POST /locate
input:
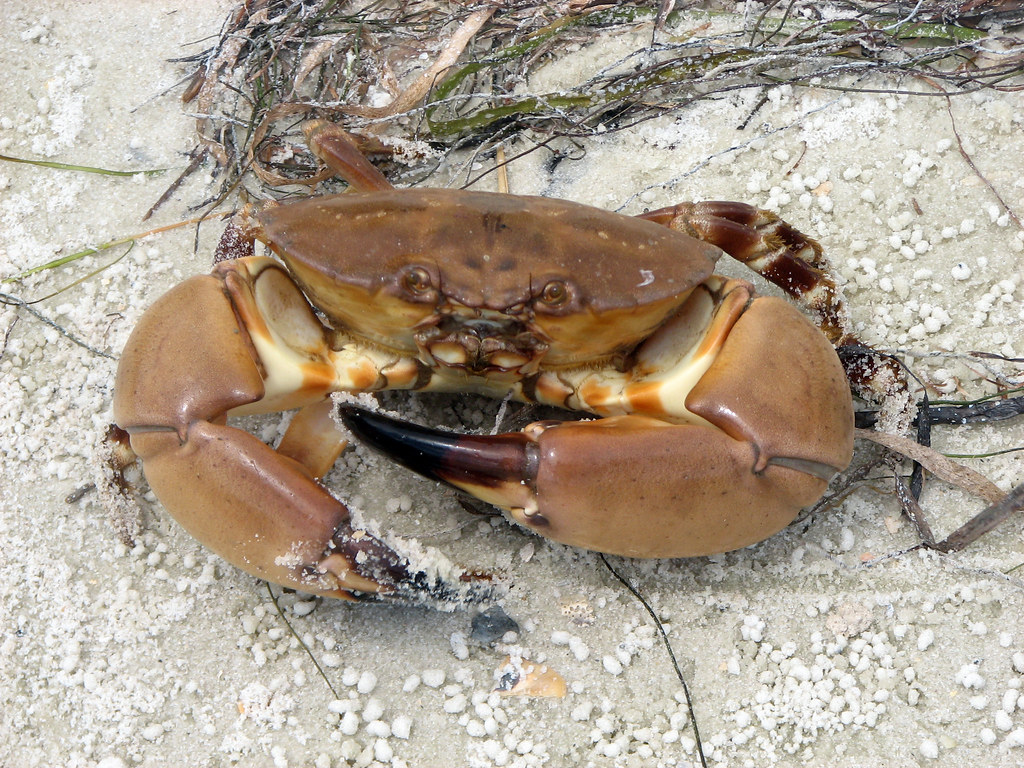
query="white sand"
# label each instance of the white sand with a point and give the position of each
(166, 655)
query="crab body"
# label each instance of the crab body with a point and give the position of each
(723, 413)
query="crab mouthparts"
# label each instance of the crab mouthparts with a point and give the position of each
(482, 344)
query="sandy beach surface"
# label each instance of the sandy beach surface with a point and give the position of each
(797, 651)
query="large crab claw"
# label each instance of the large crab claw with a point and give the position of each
(769, 435)
(260, 509)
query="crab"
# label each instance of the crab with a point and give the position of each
(720, 413)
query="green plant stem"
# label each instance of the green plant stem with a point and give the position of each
(80, 168)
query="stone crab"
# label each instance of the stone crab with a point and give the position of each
(723, 413)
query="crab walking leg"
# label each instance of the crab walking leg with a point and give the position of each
(339, 152)
(768, 430)
(793, 261)
(769, 246)
(258, 508)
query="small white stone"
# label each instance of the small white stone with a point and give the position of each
(1015, 739)
(340, 706)
(412, 682)
(373, 710)
(579, 649)
(612, 665)
(433, 678)
(459, 647)
(378, 728)
(350, 749)
(1009, 700)
(582, 711)
(612, 749)
(367, 682)
(847, 540)
(455, 704)
(925, 639)
(401, 726)
(1003, 721)
(349, 724)
(678, 720)
(969, 677)
(382, 751)
(930, 749)
(960, 272)
(987, 736)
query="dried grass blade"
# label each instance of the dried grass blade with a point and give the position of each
(940, 466)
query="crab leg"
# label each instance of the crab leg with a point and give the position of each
(769, 246)
(339, 152)
(764, 437)
(789, 259)
(260, 509)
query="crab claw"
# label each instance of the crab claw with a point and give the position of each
(495, 469)
(626, 485)
(194, 359)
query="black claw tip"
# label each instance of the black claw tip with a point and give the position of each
(460, 460)
(420, 449)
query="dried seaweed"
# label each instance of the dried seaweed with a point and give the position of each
(456, 75)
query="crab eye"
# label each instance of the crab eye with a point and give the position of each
(416, 281)
(555, 293)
